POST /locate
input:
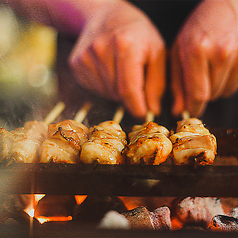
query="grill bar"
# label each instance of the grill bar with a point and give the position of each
(119, 180)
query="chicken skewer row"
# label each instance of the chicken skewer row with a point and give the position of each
(149, 143)
(65, 139)
(193, 143)
(106, 142)
(22, 144)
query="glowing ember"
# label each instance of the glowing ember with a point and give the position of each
(31, 212)
(80, 198)
(34, 199)
(47, 219)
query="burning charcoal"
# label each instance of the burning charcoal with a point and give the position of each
(161, 218)
(93, 208)
(198, 210)
(224, 223)
(139, 218)
(114, 220)
(234, 212)
(55, 205)
(10, 205)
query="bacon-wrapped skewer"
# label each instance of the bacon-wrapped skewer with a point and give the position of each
(106, 143)
(65, 139)
(22, 144)
(193, 143)
(149, 144)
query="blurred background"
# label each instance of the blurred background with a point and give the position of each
(28, 82)
(34, 73)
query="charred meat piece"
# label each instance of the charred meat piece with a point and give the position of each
(105, 144)
(193, 143)
(149, 144)
(64, 142)
(198, 210)
(22, 144)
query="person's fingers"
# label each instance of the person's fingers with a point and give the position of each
(130, 76)
(87, 74)
(232, 84)
(196, 77)
(177, 87)
(104, 54)
(221, 63)
(155, 79)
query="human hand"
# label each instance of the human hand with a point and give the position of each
(121, 56)
(204, 57)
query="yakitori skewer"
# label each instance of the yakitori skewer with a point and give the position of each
(192, 142)
(54, 113)
(65, 139)
(22, 144)
(149, 143)
(106, 142)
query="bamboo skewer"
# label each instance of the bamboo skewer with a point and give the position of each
(82, 113)
(185, 115)
(119, 115)
(150, 116)
(71, 134)
(54, 113)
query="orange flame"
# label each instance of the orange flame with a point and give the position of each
(35, 198)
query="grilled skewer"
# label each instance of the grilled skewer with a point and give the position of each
(65, 139)
(193, 143)
(149, 143)
(22, 144)
(106, 142)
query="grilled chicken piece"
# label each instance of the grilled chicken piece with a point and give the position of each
(193, 143)
(64, 142)
(105, 144)
(22, 144)
(149, 144)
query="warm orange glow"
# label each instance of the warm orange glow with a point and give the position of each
(35, 198)
(132, 202)
(80, 198)
(47, 219)
(38, 197)
(30, 212)
(176, 224)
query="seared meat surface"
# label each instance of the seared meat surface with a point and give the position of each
(64, 142)
(193, 143)
(22, 144)
(149, 144)
(105, 144)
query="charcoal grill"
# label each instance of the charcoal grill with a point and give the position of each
(120, 180)
(129, 180)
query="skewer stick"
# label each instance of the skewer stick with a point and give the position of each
(185, 115)
(118, 115)
(149, 117)
(54, 113)
(82, 113)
